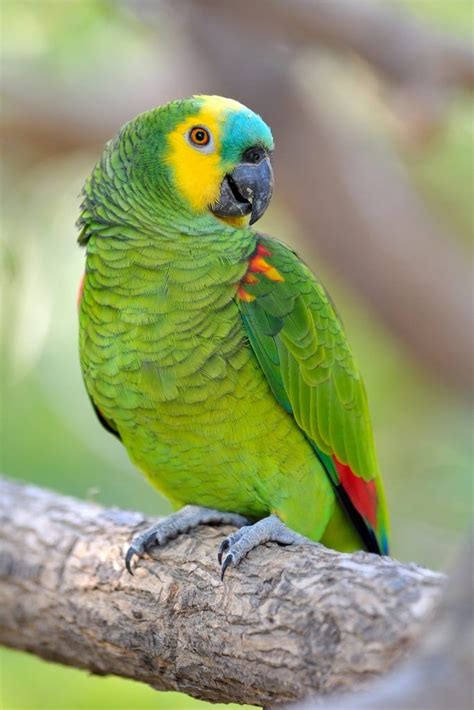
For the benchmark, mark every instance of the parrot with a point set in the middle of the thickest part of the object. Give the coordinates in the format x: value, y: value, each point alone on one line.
x: 211, y: 351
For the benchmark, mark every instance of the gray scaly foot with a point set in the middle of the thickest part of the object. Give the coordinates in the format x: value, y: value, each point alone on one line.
x: 237, y: 545
x: 173, y: 525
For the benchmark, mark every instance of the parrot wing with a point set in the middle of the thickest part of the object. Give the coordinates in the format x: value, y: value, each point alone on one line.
x: 300, y: 344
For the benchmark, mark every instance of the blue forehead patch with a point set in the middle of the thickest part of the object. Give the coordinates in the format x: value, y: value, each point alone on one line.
x: 242, y: 130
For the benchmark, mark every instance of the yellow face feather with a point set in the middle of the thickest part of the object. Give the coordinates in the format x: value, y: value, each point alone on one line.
x: 199, y: 174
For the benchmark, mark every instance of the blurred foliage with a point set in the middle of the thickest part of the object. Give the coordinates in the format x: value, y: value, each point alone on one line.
x: 444, y: 173
x: 49, y: 433
x: 53, y: 687
x: 454, y: 16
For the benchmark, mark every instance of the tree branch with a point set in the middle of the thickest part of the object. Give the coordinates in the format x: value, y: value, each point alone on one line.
x: 438, y: 675
x: 288, y: 622
x: 389, y: 38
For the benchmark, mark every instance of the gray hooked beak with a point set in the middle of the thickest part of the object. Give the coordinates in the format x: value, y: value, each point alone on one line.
x: 248, y: 189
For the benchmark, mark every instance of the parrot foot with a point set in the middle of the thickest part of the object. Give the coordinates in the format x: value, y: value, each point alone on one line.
x: 173, y: 525
x: 238, y: 544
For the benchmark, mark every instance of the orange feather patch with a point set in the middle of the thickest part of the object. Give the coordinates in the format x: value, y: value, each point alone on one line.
x: 244, y: 295
x: 258, y: 265
x: 250, y: 279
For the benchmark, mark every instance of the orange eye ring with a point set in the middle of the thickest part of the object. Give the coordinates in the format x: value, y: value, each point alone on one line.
x: 199, y: 136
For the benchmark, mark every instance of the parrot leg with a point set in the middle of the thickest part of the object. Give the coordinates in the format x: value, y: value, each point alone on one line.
x: 180, y: 522
x: 237, y: 545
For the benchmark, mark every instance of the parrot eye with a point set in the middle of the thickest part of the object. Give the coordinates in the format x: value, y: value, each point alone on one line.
x: 199, y: 137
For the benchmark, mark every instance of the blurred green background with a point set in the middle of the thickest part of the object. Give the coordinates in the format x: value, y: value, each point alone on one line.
x: 50, y: 436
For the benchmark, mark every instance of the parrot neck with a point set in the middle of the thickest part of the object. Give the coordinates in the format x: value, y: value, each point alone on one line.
x: 125, y: 224
x: 174, y: 243
x: 150, y: 274
x: 135, y: 214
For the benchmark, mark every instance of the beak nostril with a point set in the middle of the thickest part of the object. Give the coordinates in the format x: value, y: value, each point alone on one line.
x: 254, y: 155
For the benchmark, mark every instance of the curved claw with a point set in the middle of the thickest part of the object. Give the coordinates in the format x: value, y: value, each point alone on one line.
x: 129, y: 557
x: 223, y: 547
x: 228, y: 560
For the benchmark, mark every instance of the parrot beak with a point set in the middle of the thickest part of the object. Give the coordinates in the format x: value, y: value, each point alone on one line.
x: 248, y: 189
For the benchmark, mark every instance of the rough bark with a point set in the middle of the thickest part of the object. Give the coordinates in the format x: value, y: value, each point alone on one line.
x: 439, y: 674
x: 288, y: 622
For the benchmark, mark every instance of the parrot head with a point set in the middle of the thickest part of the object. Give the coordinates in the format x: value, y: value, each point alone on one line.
x: 219, y: 157
x: 205, y: 156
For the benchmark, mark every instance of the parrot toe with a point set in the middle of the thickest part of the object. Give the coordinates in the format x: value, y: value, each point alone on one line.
x: 131, y: 552
x: 175, y: 524
x: 238, y: 544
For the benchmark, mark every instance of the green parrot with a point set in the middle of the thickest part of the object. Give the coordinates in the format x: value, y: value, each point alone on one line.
x: 211, y: 351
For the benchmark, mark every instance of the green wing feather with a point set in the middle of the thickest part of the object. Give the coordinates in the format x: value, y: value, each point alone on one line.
x: 301, y: 346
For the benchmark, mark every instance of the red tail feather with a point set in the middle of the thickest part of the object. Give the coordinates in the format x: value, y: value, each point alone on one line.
x: 363, y: 494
